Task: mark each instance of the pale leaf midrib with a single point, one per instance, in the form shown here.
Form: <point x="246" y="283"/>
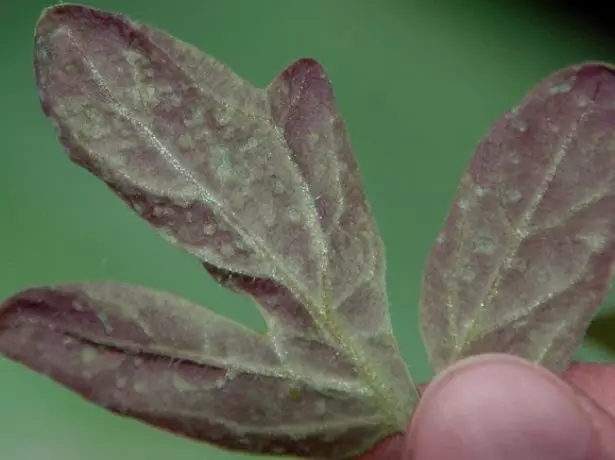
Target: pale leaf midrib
<point x="319" y="382"/>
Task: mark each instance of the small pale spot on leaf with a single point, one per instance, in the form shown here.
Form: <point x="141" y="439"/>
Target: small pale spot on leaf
<point x="594" y="241"/>
<point x="480" y="191"/>
<point x="278" y="187"/>
<point x="220" y="162"/>
<point x="181" y="384"/>
<point x="512" y="196"/>
<point x="209" y="229"/>
<point x="463" y="204"/>
<point x="70" y="68"/>
<point x="196" y="118"/>
<point x="583" y="100"/>
<point x="88" y="355"/>
<point x="231" y="374"/>
<point x="313" y="139"/>
<point x="268" y="214"/>
<point x="483" y="245"/>
<point x="221" y="382"/>
<point x="227" y="250"/>
<point x="104" y="319"/>
<point x="468" y="275"/>
<point x="185" y="141"/>
<point x="520" y="125"/>
<point x="561" y="87"/>
<point x="140" y="386"/>
<point x="293" y="215"/>
<point x="160" y="211"/>
<point x="223" y="114"/>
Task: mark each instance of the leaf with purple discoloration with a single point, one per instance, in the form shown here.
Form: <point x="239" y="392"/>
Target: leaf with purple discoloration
<point x="262" y="186"/>
<point x="168" y="362"/>
<point x="526" y="254"/>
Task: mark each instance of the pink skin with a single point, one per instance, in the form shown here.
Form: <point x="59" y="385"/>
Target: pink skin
<point x="499" y="407"/>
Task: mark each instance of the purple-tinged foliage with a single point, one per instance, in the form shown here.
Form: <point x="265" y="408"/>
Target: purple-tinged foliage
<point x="176" y="365"/>
<point x="261" y="186"/>
<point x="526" y="254"/>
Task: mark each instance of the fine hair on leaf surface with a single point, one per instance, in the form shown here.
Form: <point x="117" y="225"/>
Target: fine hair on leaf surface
<point x="262" y="187"/>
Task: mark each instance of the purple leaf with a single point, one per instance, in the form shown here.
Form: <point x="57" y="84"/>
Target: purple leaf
<point x="262" y="186"/>
<point x="526" y="254"/>
<point x="171" y="363"/>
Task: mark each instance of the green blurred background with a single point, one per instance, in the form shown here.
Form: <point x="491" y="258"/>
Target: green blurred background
<point x="418" y="83"/>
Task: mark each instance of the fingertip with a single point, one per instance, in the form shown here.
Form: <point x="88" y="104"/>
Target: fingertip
<point x="499" y="407"/>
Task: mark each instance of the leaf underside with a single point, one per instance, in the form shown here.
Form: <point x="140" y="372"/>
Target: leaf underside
<point x="526" y="254"/>
<point x="261" y="186"/>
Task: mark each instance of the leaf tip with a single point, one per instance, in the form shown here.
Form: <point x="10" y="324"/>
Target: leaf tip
<point x="52" y="15"/>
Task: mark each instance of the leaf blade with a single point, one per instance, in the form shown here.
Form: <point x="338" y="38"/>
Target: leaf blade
<point x="177" y="366"/>
<point x="235" y="176"/>
<point x="526" y="254"/>
<point x="303" y="107"/>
